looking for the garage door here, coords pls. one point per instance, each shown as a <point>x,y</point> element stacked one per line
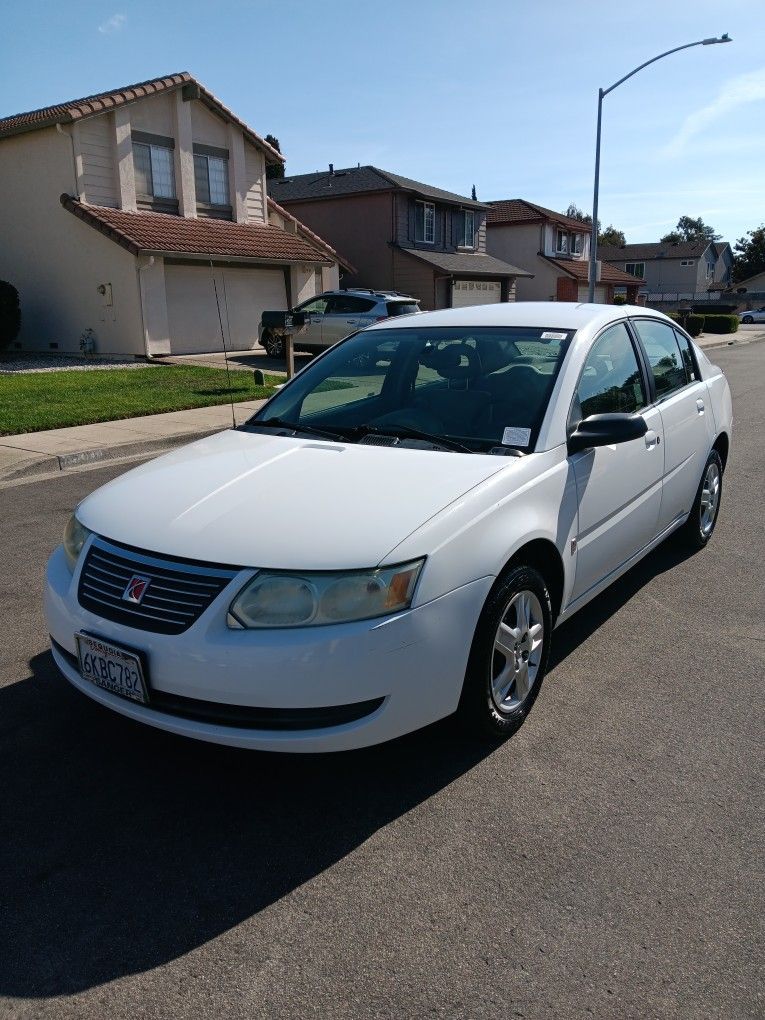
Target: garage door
<point>192,312</point>
<point>600,295</point>
<point>475,292</point>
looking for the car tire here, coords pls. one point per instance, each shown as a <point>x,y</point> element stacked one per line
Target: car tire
<point>700,525</point>
<point>273,344</point>
<point>747,320</point>
<point>500,689</point>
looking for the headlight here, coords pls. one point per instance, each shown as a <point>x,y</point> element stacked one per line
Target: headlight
<point>281,599</point>
<point>75,537</point>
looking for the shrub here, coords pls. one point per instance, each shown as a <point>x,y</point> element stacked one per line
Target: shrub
<point>10,314</point>
<point>716,308</point>
<point>720,323</point>
<point>692,324</point>
<point>620,299</point>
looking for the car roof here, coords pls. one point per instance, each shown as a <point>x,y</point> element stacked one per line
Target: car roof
<point>534,314</point>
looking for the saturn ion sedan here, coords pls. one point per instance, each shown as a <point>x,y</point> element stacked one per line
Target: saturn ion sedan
<point>395,535</point>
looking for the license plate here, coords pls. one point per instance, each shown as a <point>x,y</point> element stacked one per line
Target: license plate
<point>115,669</point>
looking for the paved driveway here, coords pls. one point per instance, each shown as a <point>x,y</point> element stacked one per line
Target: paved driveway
<point>606,862</point>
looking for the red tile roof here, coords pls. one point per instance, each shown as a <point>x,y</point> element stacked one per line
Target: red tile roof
<point>580,271</point>
<point>91,106</point>
<point>518,210</point>
<point>160,233</point>
<point>309,234</point>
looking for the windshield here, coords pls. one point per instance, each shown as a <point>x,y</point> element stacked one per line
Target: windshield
<point>484,386</point>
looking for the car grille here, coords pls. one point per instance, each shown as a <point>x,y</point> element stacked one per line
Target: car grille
<point>176,596</point>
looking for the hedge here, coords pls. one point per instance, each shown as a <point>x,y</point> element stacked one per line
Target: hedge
<point>693,324</point>
<point>720,323</point>
<point>10,314</point>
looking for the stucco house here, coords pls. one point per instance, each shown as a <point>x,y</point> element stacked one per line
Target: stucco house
<point>748,293</point>
<point>672,272</point>
<point>402,234</point>
<point>139,213</point>
<point>555,250</point>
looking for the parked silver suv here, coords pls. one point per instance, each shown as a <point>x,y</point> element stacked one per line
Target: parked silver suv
<point>323,320</point>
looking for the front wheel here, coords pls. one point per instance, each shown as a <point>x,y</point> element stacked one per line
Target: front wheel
<point>747,320</point>
<point>509,654</point>
<point>273,344</point>
<point>698,529</point>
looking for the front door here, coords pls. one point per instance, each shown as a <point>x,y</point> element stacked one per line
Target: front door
<point>618,487</point>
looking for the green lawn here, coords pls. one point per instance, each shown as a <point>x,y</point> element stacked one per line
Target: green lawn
<point>48,400</point>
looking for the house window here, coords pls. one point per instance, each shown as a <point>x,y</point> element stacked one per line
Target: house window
<point>635,269</point>
<point>687,262</point>
<point>211,176</point>
<point>466,228</point>
<point>710,270</point>
<point>561,242</point>
<point>576,244</point>
<point>154,171</point>
<point>425,222</point>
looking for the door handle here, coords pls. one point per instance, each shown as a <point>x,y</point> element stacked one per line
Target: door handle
<point>651,439</point>
<point>700,406</point>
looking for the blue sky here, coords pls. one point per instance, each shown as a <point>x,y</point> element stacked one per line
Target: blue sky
<point>497,93</point>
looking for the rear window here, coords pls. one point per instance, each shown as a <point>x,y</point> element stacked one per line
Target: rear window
<point>402,307</point>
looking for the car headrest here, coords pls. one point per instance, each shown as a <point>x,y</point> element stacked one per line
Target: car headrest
<point>494,354</point>
<point>455,361</point>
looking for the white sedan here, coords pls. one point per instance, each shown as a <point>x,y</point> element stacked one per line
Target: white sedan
<point>394,536</point>
<point>752,315</point>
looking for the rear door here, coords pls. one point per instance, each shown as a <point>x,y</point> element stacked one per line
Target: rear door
<point>345,313</point>
<point>618,487</point>
<point>686,413</point>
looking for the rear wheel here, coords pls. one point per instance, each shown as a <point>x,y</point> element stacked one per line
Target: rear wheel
<point>509,654</point>
<point>698,529</point>
<point>273,344</point>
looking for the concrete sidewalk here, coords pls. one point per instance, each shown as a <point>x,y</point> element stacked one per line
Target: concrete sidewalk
<point>38,453</point>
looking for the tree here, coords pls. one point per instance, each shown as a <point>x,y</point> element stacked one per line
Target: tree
<point>274,171</point>
<point>473,194</point>
<point>749,254</point>
<point>690,229</point>
<point>612,236</point>
<point>608,236</point>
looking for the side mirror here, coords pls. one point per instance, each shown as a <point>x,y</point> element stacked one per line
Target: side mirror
<point>606,430</point>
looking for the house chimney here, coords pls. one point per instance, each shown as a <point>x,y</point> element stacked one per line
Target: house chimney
<point>331,169</point>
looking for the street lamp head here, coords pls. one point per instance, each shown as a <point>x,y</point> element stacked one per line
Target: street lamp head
<point>711,42</point>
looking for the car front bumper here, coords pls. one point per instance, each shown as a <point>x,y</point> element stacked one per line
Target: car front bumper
<point>414,661</point>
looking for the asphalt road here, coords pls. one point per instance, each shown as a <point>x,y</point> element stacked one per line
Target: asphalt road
<point>606,862</point>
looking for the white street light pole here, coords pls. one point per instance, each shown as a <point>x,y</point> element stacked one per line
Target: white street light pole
<point>602,93</point>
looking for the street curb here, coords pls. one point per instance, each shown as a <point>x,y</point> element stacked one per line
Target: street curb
<point>63,462</point>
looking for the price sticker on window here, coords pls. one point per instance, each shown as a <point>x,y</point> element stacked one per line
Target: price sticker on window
<point>552,335</point>
<point>513,436</point>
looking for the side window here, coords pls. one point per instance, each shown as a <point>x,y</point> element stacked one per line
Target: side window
<point>611,379</point>
<point>688,359</point>
<point>345,304</point>
<point>663,355</point>
<point>316,306</point>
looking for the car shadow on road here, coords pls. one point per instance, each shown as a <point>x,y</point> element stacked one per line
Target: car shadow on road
<point>125,847</point>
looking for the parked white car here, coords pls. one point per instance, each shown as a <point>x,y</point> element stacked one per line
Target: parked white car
<point>395,535</point>
<point>752,315</point>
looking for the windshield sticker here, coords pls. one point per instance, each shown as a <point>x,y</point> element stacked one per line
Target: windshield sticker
<point>513,436</point>
<point>550,335</point>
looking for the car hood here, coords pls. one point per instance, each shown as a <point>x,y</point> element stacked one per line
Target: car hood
<point>250,499</point>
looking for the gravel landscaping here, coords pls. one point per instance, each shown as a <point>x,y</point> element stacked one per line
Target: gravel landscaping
<point>24,362</point>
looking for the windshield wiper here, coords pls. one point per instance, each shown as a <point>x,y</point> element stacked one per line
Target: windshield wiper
<point>280,423</point>
<point>405,432</point>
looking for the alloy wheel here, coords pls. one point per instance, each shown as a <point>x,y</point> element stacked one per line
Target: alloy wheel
<point>518,646</point>
<point>710,498</point>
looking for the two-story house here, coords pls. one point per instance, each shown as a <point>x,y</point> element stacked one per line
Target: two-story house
<point>554,248</point>
<point>142,215</point>
<point>675,271</point>
<point>402,235</point>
